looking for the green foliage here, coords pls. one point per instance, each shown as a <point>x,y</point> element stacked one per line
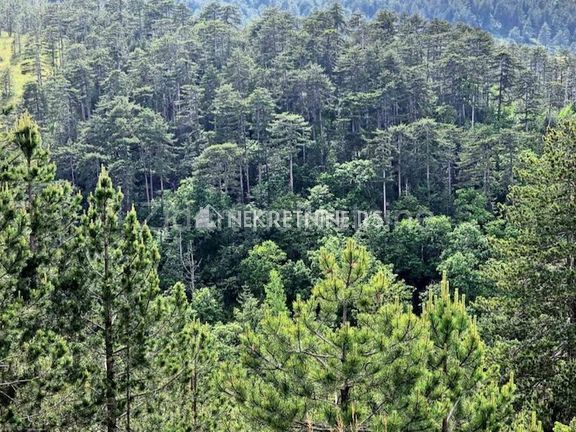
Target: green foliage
<point>288,133</point>
<point>351,183</point>
<point>37,215</point>
<point>262,259</point>
<point>434,125</point>
<point>526,423</point>
<point>328,369</point>
<point>467,249</point>
<point>353,355</point>
<point>187,359</point>
<point>558,427</point>
<point>471,397</point>
<point>415,248</point>
<point>121,285</point>
<point>137,137</point>
<point>275,299</point>
<point>470,206</point>
<point>207,305</point>
<point>218,167</point>
<point>533,269</point>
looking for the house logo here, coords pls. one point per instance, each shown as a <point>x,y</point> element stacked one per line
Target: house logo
<point>208,218</point>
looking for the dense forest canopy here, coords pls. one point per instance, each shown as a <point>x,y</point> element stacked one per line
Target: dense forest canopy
<point>129,126</point>
<point>550,23</point>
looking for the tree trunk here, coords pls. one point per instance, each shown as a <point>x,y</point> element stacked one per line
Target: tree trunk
<point>241,184</point>
<point>111,403</point>
<point>384,200</point>
<point>128,395</point>
<point>428,165</point>
<point>399,168</point>
<point>146,186</point>
<point>151,177</point>
<point>291,173</point>
<point>248,181</point>
<point>473,110</point>
<point>449,179</point>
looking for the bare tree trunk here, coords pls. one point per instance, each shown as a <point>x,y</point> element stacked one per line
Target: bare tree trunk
<point>151,177</point>
<point>291,173</point>
<point>399,144</point>
<point>428,165</point>
<point>146,185</point>
<point>241,183</point>
<point>247,180</point>
<point>384,200</point>
<point>449,179</point>
<point>473,110</point>
<point>190,267</point>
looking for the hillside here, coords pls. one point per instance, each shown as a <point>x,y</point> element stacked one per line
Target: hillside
<point>13,78</point>
<point>549,23</point>
<point>324,222</point>
<point>19,65</point>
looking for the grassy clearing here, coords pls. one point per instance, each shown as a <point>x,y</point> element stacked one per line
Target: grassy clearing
<point>14,75</point>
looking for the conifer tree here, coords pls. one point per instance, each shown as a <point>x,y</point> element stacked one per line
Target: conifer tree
<point>37,218</point>
<point>381,149</point>
<point>14,251</point>
<point>469,395</point>
<point>351,358</point>
<point>289,133</point>
<point>559,427</point>
<point>260,106</point>
<point>187,394</point>
<point>534,271</point>
<point>219,166</point>
<point>119,260</point>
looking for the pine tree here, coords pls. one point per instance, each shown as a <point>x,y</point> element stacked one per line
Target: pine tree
<point>229,115</point>
<point>534,272</point>
<point>14,252</point>
<point>37,217</point>
<point>526,422</point>
<point>219,166</point>
<point>119,261</point>
<point>187,395</point>
<point>351,358</point>
<point>138,146</point>
<point>256,268</point>
<point>559,427</point>
<point>275,299</point>
<point>469,395</point>
<point>400,137</point>
<point>260,106</point>
<point>380,150</point>
<point>289,133</point>
<point>505,75</point>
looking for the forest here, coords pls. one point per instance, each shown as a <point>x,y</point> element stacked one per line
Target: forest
<point>550,23</point>
<point>133,131</point>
